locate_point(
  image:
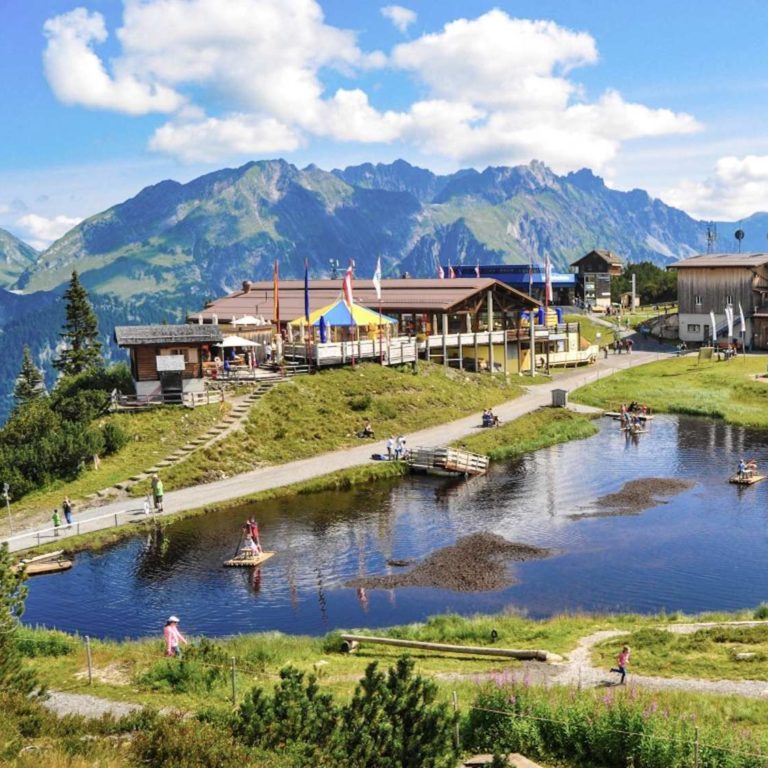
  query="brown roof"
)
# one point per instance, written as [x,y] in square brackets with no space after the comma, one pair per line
[710,260]
[609,256]
[405,296]
[151,335]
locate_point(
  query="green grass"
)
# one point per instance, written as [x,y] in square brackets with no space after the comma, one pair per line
[542,428]
[706,653]
[153,435]
[310,415]
[590,330]
[726,390]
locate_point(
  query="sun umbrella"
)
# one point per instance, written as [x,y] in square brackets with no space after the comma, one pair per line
[236,341]
[248,320]
[340,314]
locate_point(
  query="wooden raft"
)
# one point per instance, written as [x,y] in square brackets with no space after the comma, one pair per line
[447,461]
[52,562]
[746,479]
[247,560]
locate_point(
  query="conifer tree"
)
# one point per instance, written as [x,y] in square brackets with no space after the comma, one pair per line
[29,384]
[13,676]
[81,332]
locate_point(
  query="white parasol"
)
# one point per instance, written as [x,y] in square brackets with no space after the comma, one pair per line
[236,341]
[248,320]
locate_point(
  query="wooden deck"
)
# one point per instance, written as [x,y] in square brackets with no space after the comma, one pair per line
[748,479]
[446,461]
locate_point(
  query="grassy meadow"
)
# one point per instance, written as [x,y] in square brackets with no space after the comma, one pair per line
[314,414]
[540,429]
[725,390]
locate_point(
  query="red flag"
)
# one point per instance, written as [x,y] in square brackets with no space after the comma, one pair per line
[347,286]
[477,270]
[440,272]
[276,289]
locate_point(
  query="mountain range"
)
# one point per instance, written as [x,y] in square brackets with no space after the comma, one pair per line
[173,246]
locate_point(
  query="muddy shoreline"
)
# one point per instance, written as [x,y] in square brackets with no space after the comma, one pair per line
[636,496]
[475,563]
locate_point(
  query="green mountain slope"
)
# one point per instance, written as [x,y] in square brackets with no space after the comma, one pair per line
[15,257]
[203,238]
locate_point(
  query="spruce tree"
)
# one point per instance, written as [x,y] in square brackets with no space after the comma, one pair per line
[82,350]
[13,676]
[29,384]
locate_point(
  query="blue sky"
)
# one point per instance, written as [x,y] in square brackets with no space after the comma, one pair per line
[104,97]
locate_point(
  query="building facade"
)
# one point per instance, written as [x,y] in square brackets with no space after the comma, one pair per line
[593,277]
[709,283]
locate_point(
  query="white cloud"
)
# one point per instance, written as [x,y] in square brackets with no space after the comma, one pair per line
[208,140]
[494,89]
[737,188]
[40,231]
[401,17]
[77,75]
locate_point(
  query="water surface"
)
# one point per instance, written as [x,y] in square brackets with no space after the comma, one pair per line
[704,549]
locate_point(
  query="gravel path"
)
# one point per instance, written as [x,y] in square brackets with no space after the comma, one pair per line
[577,669]
[92,707]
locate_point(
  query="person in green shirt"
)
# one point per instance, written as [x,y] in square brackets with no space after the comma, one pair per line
[56,518]
[157,492]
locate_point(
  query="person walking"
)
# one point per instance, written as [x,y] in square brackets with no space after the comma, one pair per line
[621,664]
[173,637]
[157,492]
[390,447]
[56,520]
[67,507]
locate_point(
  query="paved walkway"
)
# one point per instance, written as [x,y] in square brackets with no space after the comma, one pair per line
[125,512]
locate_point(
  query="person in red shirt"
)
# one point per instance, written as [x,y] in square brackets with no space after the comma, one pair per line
[173,638]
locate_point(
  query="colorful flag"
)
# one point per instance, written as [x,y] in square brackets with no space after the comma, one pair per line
[377,278]
[451,272]
[547,279]
[276,291]
[477,270]
[347,286]
[440,272]
[306,289]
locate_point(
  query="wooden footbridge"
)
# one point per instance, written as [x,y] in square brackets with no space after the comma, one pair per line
[446,461]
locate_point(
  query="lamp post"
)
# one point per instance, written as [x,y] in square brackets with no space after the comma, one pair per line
[334,268]
[7,497]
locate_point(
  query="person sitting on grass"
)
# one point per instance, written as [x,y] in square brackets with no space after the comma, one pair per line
[367,430]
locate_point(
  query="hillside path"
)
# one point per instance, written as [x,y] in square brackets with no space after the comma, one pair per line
[127,511]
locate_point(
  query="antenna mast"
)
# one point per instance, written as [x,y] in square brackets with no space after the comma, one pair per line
[711,236]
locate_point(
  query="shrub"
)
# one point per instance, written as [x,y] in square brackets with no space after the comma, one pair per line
[360,403]
[32,644]
[200,671]
[115,437]
[761,612]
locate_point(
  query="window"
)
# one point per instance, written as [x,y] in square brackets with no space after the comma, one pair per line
[697,300]
[694,328]
[729,301]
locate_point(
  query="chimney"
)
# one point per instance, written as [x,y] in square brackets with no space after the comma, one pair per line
[247,285]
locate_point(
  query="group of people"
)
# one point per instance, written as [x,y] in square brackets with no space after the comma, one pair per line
[632,416]
[623,345]
[396,447]
[252,546]
[490,419]
[747,468]
[66,508]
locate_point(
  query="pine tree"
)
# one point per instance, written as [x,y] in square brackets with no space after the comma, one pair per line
[29,384]
[13,676]
[81,332]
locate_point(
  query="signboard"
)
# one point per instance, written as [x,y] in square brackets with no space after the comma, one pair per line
[170,363]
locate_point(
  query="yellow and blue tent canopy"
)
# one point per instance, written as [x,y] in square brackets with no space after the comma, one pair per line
[341,314]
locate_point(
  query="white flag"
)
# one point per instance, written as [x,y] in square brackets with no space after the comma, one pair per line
[729,320]
[713,326]
[377,278]
[741,317]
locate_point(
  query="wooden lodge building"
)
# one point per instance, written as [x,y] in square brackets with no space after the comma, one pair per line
[465,322]
[167,360]
[710,283]
[593,277]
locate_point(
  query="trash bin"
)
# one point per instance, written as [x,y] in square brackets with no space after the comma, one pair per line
[559,398]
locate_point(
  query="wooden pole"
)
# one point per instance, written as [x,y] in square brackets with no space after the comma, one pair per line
[490,330]
[234,683]
[90,659]
[445,648]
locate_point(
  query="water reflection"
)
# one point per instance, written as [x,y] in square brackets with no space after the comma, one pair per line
[703,549]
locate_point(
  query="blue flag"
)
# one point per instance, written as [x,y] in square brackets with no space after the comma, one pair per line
[306,289]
